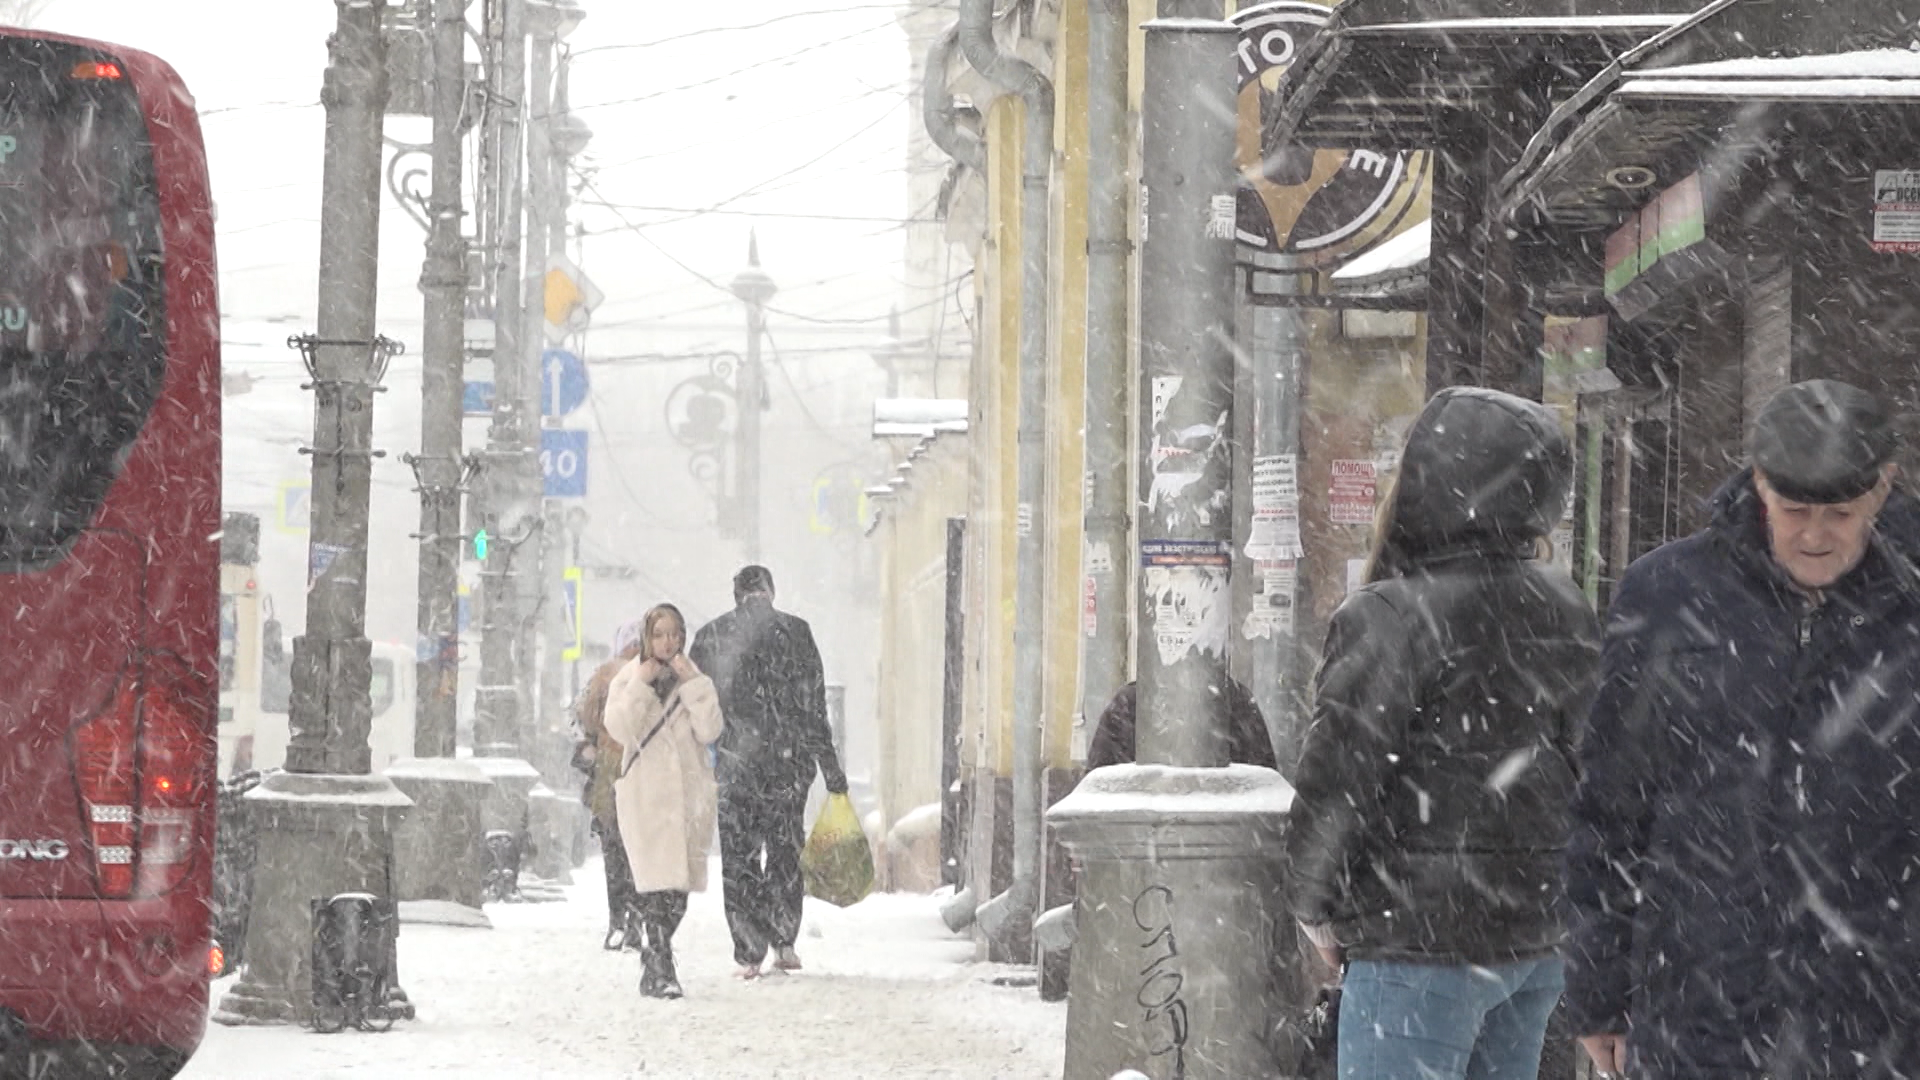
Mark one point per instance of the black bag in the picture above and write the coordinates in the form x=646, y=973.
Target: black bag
x=1320, y=1032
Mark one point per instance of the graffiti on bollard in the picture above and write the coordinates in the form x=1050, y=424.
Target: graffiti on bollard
x=1161, y=982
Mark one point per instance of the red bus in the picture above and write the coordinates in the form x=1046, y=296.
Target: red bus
x=109, y=561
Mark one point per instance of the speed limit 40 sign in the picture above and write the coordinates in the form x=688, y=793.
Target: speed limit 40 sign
x=563, y=463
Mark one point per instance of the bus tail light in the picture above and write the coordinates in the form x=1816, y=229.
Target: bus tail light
x=173, y=785
x=104, y=757
x=143, y=775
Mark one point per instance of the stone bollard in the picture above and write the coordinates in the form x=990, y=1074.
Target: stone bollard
x=507, y=803
x=551, y=820
x=1174, y=955
x=436, y=848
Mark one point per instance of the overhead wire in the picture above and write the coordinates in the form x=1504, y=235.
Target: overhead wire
x=787, y=60
x=763, y=24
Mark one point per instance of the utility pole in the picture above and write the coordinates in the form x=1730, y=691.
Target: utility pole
x=754, y=287
x=443, y=279
x=325, y=825
x=536, y=571
x=1152, y=865
x=509, y=521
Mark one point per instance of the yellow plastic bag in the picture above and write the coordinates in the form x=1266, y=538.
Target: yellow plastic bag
x=837, y=863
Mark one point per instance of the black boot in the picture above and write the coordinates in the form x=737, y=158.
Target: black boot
x=650, y=981
x=668, y=982
x=631, y=936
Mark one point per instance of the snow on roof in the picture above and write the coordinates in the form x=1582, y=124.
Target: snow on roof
x=1865, y=64
x=1403, y=254
x=918, y=416
x=1568, y=24
x=1866, y=74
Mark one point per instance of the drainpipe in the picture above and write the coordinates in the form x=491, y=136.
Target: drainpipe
x=1008, y=918
x=938, y=114
x=937, y=111
x=1103, y=652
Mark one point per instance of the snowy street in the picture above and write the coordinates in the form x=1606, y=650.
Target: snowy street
x=886, y=992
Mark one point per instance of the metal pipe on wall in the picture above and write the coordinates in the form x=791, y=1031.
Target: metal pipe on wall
x=1008, y=918
x=937, y=110
x=1104, y=649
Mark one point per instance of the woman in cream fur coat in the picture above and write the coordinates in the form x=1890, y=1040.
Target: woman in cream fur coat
x=665, y=713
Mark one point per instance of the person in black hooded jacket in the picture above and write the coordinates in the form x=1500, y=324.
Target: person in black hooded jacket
x=1744, y=873
x=1425, y=841
x=773, y=694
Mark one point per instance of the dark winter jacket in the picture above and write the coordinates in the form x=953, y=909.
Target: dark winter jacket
x=1115, y=740
x=773, y=694
x=1430, y=813
x=1744, y=872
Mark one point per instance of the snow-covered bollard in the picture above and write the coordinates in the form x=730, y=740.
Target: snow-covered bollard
x=1174, y=957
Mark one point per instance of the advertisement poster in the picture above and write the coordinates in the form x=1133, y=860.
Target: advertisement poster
x=1896, y=211
x=1350, y=496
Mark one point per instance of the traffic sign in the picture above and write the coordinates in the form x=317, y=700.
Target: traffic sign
x=574, y=643
x=563, y=382
x=296, y=506
x=563, y=463
x=569, y=298
x=476, y=399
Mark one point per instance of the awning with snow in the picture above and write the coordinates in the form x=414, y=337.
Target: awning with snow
x=1386, y=72
x=1395, y=267
x=1658, y=125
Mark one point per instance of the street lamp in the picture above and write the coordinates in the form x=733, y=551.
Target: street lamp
x=754, y=288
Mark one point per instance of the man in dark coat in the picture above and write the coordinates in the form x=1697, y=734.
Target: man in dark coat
x=773, y=695
x=1744, y=871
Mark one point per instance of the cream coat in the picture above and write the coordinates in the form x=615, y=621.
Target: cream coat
x=666, y=798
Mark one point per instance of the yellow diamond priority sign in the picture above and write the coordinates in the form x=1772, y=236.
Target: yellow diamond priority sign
x=570, y=299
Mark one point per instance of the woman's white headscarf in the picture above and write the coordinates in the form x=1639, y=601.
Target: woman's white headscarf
x=627, y=636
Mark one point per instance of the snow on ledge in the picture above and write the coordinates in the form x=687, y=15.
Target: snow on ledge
x=922, y=417
x=1170, y=789
x=1548, y=24
x=1773, y=89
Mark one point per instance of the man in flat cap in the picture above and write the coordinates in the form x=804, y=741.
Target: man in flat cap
x=1744, y=868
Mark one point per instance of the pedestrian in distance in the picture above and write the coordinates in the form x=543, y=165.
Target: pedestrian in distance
x=1426, y=836
x=1742, y=874
x=773, y=693
x=666, y=715
x=598, y=754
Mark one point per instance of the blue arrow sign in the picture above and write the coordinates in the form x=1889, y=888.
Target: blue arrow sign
x=563, y=463
x=563, y=382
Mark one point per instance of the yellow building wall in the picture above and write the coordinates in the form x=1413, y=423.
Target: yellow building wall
x=913, y=545
x=995, y=393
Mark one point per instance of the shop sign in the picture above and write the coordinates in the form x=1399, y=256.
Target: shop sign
x=1304, y=208
x=1896, y=211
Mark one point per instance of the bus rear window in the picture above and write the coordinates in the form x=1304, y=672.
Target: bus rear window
x=82, y=315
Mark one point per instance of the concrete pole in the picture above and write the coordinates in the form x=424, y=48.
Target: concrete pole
x=1104, y=561
x=444, y=281
x=754, y=288
x=533, y=570
x=332, y=662
x=509, y=521
x=1186, y=391
x=325, y=826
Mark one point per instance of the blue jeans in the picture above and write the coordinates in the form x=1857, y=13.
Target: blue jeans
x=1405, y=1021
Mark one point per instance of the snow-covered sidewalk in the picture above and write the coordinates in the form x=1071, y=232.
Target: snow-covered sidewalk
x=886, y=993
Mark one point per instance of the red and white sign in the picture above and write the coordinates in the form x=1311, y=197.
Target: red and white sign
x=1351, y=494
x=1090, y=607
x=1896, y=211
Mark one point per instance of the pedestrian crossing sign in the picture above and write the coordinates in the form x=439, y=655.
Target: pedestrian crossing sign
x=295, y=506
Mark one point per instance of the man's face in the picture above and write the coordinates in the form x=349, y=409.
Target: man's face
x=1817, y=543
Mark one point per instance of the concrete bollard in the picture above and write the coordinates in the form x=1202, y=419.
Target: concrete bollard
x=1174, y=954
x=435, y=849
x=550, y=818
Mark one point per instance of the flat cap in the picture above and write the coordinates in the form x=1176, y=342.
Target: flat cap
x=1822, y=441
